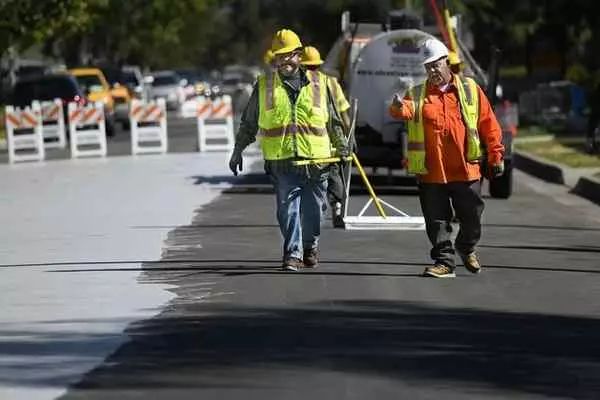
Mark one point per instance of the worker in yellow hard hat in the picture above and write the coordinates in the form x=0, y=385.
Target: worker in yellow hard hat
x=268, y=58
x=296, y=121
x=311, y=60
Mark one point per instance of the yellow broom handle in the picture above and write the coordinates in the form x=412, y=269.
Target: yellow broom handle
x=361, y=171
x=329, y=160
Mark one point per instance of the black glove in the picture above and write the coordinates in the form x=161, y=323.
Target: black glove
x=497, y=170
x=343, y=153
x=235, y=162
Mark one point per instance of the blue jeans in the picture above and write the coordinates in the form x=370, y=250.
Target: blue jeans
x=300, y=209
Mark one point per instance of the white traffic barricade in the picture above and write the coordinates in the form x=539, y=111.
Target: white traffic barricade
x=148, y=127
x=24, y=133
x=188, y=108
x=53, y=124
x=215, y=124
x=87, y=128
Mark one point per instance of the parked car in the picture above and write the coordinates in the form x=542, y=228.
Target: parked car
x=168, y=85
x=237, y=84
x=47, y=88
x=134, y=80
x=120, y=93
x=191, y=78
x=97, y=89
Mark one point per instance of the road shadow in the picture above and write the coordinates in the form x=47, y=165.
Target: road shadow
x=569, y=249
x=217, y=346
x=259, y=183
x=542, y=227
x=249, y=266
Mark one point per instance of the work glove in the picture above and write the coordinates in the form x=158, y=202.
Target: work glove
x=235, y=162
x=397, y=100
x=497, y=170
x=343, y=153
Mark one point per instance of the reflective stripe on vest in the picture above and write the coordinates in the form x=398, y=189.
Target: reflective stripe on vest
x=288, y=131
x=469, y=106
x=416, y=134
x=468, y=95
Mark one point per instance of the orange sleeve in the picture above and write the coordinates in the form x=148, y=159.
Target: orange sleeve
x=407, y=111
x=489, y=130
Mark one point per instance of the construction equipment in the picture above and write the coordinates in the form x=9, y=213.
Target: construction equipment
x=376, y=60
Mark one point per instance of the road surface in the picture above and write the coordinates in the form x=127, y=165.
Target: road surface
x=364, y=325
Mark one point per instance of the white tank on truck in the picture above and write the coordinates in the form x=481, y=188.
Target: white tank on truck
x=389, y=63
x=375, y=61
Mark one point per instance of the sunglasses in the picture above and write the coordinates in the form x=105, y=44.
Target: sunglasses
x=436, y=65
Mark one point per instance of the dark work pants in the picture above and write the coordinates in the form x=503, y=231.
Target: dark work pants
x=437, y=203
x=335, y=185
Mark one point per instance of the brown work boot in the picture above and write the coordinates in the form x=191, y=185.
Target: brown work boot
x=292, y=264
x=439, y=271
x=471, y=262
x=311, y=258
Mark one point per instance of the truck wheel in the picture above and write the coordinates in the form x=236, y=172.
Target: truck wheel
x=502, y=186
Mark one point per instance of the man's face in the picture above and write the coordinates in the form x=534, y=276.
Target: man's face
x=438, y=72
x=288, y=63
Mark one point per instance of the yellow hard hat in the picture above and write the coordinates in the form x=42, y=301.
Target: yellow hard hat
x=285, y=41
x=311, y=56
x=453, y=58
x=268, y=57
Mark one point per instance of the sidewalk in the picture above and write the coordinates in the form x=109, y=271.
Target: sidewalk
x=97, y=213
x=583, y=182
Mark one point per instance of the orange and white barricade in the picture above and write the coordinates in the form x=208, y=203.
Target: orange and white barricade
x=87, y=128
x=215, y=124
x=53, y=125
x=148, y=127
x=24, y=135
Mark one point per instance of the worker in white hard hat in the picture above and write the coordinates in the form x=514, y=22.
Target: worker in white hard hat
x=449, y=118
x=296, y=121
x=311, y=60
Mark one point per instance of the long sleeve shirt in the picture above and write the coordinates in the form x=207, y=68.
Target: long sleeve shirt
x=248, y=129
x=446, y=134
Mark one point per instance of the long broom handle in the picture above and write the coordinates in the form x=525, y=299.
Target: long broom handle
x=329, y=160
x=374, y=197
x=360, y=169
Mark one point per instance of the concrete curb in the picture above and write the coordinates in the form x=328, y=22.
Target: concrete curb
x=538, y=167
x=588, y=188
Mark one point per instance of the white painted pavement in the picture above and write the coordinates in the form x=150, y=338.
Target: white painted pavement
x=80, y=215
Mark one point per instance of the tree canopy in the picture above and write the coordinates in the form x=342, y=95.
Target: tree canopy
x=165, y=33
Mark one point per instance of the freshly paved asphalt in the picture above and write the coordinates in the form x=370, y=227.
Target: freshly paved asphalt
x=365, y=325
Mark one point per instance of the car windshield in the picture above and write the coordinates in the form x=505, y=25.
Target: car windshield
x=89, y=82
x=129, y=78
x=190, y=76
x=112, y=76
x=231, y=80
x=165, y=80
x=44, y=89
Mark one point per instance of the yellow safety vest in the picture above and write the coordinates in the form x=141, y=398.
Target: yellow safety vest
x=338, y=94
x=468, y=95
x=293, y=131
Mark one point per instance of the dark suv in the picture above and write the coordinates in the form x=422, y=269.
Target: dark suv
x=46, y=88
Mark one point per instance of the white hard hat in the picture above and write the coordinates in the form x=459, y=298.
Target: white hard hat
x=433, y=50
